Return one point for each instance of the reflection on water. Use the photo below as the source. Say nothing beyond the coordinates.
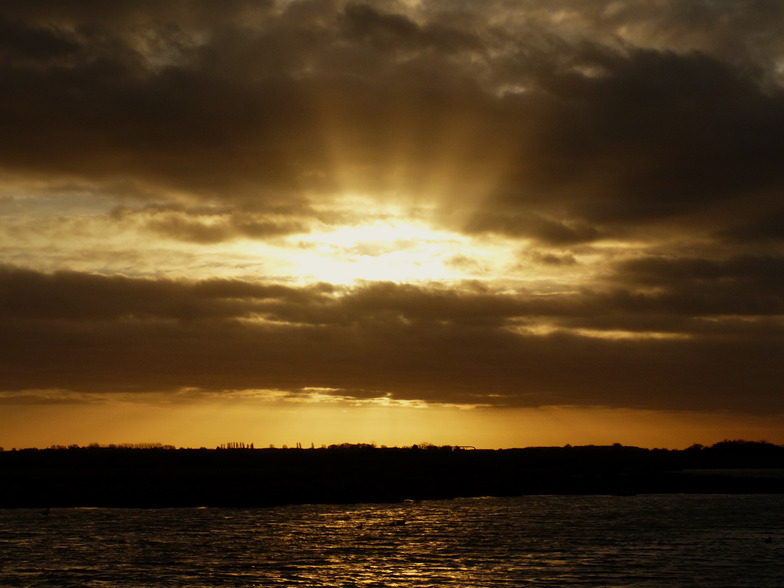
(672, 540)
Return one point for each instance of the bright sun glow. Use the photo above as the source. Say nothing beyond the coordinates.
(387, 242)
(396, 250)
(375, 241)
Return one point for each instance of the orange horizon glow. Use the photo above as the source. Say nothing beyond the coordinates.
(322, 424)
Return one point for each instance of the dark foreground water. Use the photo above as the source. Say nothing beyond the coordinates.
(650, 540)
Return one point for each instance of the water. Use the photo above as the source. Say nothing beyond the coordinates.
(664, 540)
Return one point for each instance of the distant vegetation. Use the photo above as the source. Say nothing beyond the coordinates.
(237, 474)
(723, 448)
(116, 446)
(737, 444)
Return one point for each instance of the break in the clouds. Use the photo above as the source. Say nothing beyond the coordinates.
(483, 203)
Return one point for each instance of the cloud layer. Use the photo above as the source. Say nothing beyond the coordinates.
(98, 333)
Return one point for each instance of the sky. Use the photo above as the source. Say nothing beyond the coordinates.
(501, 223)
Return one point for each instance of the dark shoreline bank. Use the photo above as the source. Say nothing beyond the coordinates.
(160, 477)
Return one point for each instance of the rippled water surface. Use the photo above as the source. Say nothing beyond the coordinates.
(671, 540)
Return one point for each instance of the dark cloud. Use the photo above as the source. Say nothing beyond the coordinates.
(210, 225)
(73, 296)
(767, 228)
(533, 226)
(651, 136)
(23, 42)
(305, 98)
(756, 272)
(92, 333)
(389, 31)
(557, 260)
(747, 286)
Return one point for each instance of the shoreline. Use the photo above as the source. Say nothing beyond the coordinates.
(189, 478)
